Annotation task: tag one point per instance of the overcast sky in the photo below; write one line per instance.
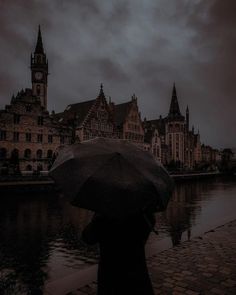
(131, 46)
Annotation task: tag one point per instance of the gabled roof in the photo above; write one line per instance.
(159, 124)
(76, 111)
(148, 135)
(120, 112)
(25, 96)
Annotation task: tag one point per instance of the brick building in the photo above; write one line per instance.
(99, 118)
(29, 136)
(178, 145)
(128, 122)
(89, 119)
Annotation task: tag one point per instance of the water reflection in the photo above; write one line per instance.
(30, 229)
(40, 234)
(182, 211)
(189, 199)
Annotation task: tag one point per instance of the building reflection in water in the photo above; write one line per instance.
(40, 234)
(30, 229)
(182, 210)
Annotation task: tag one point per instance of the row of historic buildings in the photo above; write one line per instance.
(30, 136)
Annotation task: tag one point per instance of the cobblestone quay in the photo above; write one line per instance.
(204, 265)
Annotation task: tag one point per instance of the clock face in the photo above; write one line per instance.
(38, 75)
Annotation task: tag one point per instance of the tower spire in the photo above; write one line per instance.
(101, 93)
(39, 45)
(187, 118)
(39, 71)
(174, 105)
(174, 90)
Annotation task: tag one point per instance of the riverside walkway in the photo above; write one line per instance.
(205, 265)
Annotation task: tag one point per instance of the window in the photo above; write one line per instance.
(28, 108)
(28, 137)
(62, 139)
(3, 134)
(16, 119)
(40, 138)
(38, 89)
(15, 157)
(28, 168)
(50, 139)
(3, 153)
(40, 120)
(39, 154)
(49, 154)
(16, 136)
(39, 168)
(156, 139)
(27, 154)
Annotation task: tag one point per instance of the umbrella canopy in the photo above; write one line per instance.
(112, 177)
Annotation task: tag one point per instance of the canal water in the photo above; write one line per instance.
(40, 234)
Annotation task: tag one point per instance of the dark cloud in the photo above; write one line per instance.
(131, 46)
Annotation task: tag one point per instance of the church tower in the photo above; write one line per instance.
(175, 131)
(39, 71)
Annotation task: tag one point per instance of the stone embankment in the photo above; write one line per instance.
(205, 265)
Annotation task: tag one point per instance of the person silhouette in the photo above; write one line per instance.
(122, 266)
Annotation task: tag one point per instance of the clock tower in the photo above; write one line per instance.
(39, 71)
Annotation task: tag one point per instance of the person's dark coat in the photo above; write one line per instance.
(122, 266)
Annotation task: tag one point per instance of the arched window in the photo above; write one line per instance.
(14, 157)
(3, 153)
(28, 168)
(15, 153)
(38, 89)
(39, 168)
(39, 154)
(49, 154)
(27, 154)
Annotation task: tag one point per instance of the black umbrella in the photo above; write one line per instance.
(112, 177)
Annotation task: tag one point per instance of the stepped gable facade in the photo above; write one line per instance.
(155, 138)
(127, 118)
(89, 119)
(29, 136)
(99, 118)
